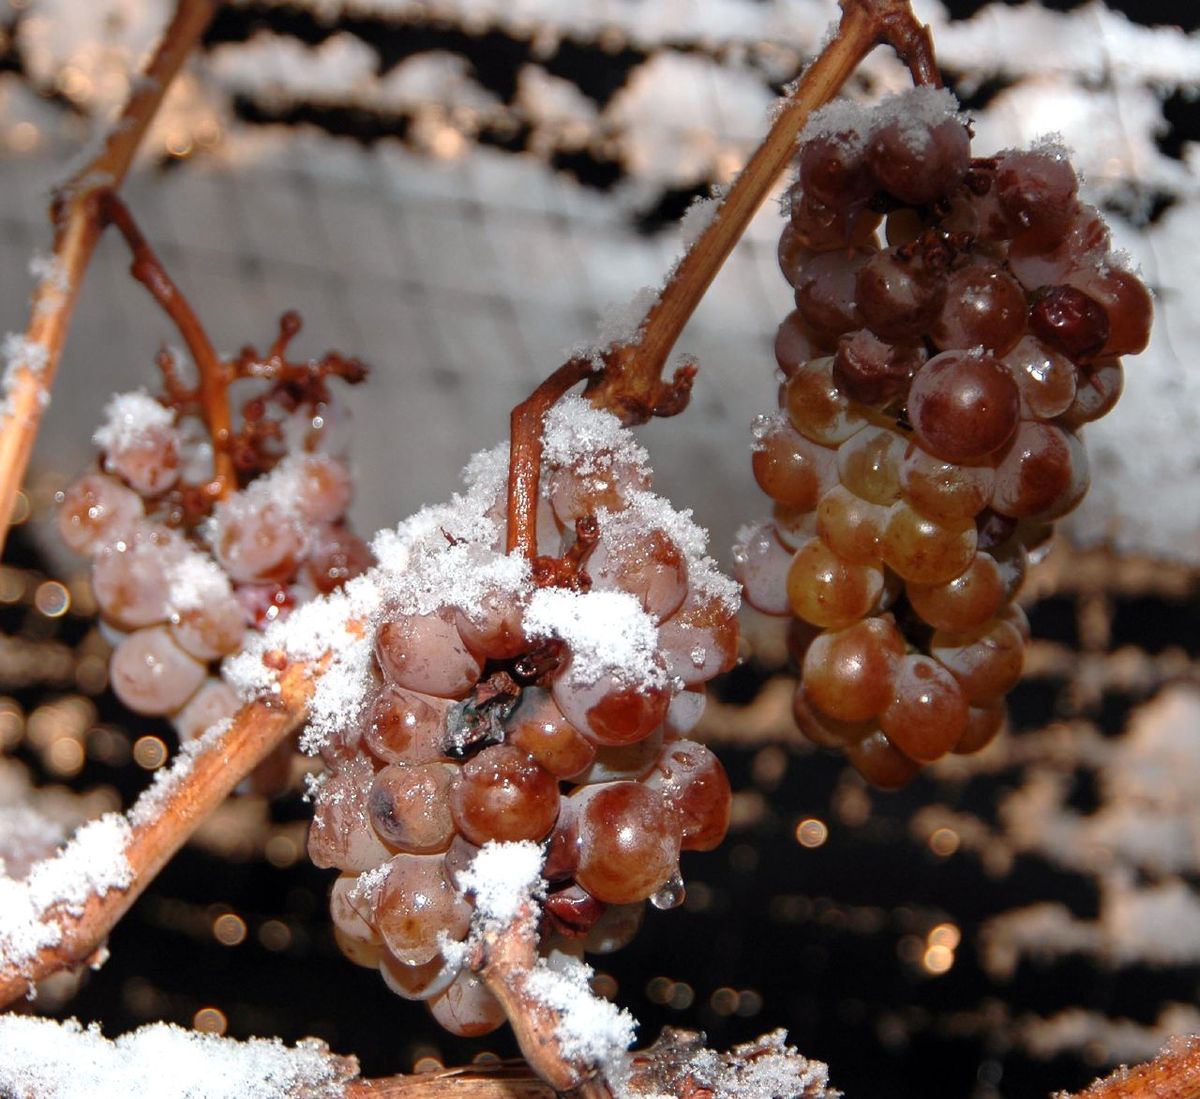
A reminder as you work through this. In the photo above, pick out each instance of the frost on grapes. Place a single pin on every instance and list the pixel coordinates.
(128, 418)
(53, 1060)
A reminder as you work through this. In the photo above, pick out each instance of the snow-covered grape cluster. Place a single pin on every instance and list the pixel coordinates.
(180, 575)
(933, 388)
(498, 708)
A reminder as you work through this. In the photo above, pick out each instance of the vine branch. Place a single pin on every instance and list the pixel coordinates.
(76, 217)
(221, 763)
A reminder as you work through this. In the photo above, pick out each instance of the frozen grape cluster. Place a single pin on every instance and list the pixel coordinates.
(495, 705)
(933, 388)
(180, 571)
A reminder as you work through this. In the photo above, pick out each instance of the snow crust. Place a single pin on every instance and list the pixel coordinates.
(502, 877)
(45, 1059)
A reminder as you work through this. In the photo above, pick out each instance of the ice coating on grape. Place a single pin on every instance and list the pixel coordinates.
(426, 653)
(151, 674)
(95, 510)
(503, 794)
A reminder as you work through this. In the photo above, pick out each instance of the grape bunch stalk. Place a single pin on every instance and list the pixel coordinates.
(933, 388)
(511, 699)
(197, 538)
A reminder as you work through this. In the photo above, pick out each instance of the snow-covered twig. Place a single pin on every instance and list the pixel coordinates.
(33, 358)
(44, 929)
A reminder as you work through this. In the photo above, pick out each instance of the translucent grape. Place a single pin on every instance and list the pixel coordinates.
(927, 551)
(255, 541)
(323, 489)
(502, 794)
(617, 927)
(610, 710)
(414, 903)
(1045, 378)
(1037, 192)
(984, 724)
(1085, 244)
(1098, 387)
(645, 563)
(964, 603)
(869, 464)
(823, 228)
(405, 726)
(409, 805)
(1125, 300)
(148, 462)
(927, 713)
(944, 491)
(833, 169)
(417, 982)
(817, 408)
(131, 579)
(628, 839)
(95, 511)
(335, 555)
(826, 293)
(848, 673)
(350, 909)
(760, 564)
(987, 662)
(1066, 318)
(367, 955)
(341, 834)
(793, 527)
(684, 713)
(214, 701)
(694, 784)
(538, 728)
(827, 591)
(788, 467)
(574, 494)
(211, 630)
(426, 653)
(984, 307)
(880, 762)
(918, 163)
(793, 255)
(820, 728)
(467, 1008)
(963, 406)
(494, 630)
(898, 295)
(626, 763)
(851, 527)
(151, 674)
(700, 640)
(1043, 474)
(868, 370)
(795, 343)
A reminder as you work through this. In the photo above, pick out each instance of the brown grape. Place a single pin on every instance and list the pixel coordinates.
(984, 307)
(467, 1008)
(502, 794)
(628, 839)
(788, 467)
(826, 294)
(151, 674)
(406, 727)
(817, 408)
(1125, 300)
(795, 343)
(927, 713)
(694, 784)
(869, 464)
(969, 600)
(944, 491)
(414, 903)
(820, 728)
(610, 711)
(1066, 318)
(868, 370)
(1098, 387)
(700, 640)
(645, 563)
(1045, 378)
(409, 806)
(760, 564)
(851, 527)
(95, 510)
(341, 834)
(827, 591)
(927, 551)
(1043, 474)
(983, 726)
(538, 728)
(880, 762)
(848, 673)
(426, 653)
(918, 163)
(898, 295)
(963, 406)
(1037, 192)
(987, 662)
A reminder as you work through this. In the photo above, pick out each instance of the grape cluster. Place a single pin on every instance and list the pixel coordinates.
(178, 578)
(933, 388)
(503, 709)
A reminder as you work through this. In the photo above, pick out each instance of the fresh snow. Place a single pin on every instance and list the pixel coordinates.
(128, 420)
(45, 1059)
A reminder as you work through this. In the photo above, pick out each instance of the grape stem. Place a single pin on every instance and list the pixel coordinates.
(214, 375)
(626, 378)
(76, 218)
(161, 826)
(1173, 1074)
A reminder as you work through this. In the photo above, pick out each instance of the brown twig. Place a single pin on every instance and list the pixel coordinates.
(77, 228)
(1173, 1074)
(214, 772)
(213, 373)
(525, 453)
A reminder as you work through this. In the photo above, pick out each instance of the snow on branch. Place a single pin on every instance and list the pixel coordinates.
(44, 1059)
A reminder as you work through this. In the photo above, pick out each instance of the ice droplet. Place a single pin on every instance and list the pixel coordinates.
(671, 894)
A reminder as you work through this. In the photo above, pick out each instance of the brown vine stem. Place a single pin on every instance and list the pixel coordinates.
(628, 380)
(1173, 1074)
(214, 375)
(215, 770)
(77, 229)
